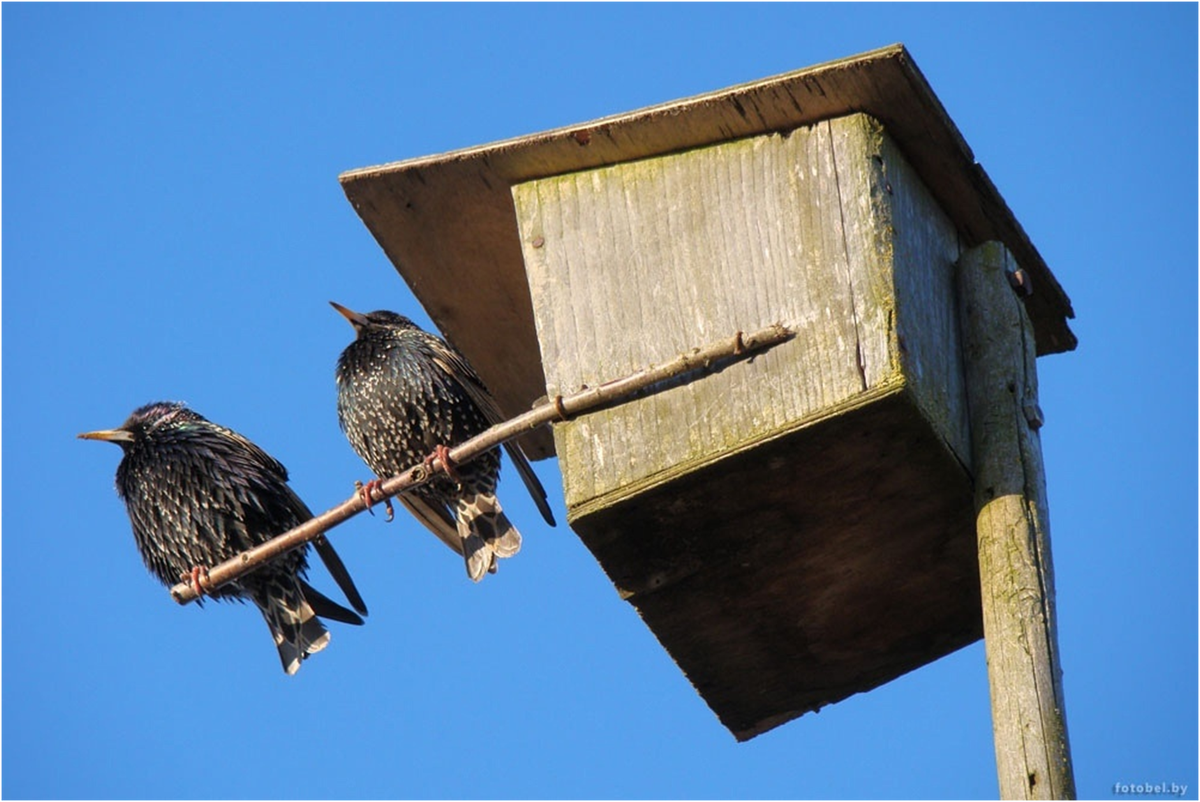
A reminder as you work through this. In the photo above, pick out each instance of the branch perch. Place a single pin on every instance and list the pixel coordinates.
(560, 408)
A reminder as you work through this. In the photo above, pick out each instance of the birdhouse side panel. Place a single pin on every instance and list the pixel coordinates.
(926, 248)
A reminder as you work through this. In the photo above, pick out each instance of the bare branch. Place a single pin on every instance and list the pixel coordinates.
(561, 408)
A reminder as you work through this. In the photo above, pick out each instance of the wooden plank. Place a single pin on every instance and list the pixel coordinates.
(447, 222)
(925, 248)
(859, 203)
(1033, 755)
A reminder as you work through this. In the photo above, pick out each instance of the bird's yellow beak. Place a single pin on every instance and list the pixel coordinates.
(109, 435)
(357, 320)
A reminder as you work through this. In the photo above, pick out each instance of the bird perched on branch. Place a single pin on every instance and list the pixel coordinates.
(405, 395)
(198, 494)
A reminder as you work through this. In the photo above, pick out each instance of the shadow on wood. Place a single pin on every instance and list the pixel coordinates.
(815, 566)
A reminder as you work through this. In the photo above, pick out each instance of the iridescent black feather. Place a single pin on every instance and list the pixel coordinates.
(198, 494)
(402, 392)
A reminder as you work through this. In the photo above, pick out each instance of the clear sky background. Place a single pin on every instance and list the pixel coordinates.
(173, 228)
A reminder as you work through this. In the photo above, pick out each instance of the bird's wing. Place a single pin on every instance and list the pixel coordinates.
(457, 367)
(340, 575)
(277, 507)
(326, 607)
(252, 453)
(333, 563)
(536, 491)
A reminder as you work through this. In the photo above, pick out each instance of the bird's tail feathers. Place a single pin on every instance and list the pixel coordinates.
(294, 625)
(486, 533)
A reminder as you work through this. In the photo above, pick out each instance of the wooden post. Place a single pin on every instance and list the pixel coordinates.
(1033, 756)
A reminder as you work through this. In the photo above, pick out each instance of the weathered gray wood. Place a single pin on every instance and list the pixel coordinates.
(1033, 755)
(447, 221)
(925, 250)
(821, 229)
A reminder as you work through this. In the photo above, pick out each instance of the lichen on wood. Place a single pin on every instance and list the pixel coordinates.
(1033, 756)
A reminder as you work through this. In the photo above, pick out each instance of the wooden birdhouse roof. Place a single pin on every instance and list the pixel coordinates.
(448, 224)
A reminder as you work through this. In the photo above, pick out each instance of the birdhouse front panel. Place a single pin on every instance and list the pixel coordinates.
(635, 263)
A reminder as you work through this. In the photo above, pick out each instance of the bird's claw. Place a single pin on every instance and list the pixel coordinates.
(441, 453)
(365, 491)
(194, 577)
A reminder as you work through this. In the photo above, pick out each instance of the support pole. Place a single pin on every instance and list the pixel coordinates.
(1033, 756)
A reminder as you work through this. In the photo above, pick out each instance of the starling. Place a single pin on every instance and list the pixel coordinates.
(198, 494)
(403, 394)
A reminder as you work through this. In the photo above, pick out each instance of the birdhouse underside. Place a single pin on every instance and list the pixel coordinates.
(795, 528)
(795, 574)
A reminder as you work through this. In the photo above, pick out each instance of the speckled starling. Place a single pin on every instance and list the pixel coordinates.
(198, 494)
(403, 394)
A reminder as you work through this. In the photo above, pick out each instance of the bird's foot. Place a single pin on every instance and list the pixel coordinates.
(440, 452)
(194, 577)
(365, 492)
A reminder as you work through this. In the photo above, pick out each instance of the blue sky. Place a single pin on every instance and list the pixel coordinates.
(173, 228)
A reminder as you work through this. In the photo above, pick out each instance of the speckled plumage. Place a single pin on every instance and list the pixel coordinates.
(198, 494)
(402, 392)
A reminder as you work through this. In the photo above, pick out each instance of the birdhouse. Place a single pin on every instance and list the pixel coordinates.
(797, 527)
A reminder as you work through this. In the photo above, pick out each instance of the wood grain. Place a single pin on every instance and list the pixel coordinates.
(820, 230)
(1033, 755)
